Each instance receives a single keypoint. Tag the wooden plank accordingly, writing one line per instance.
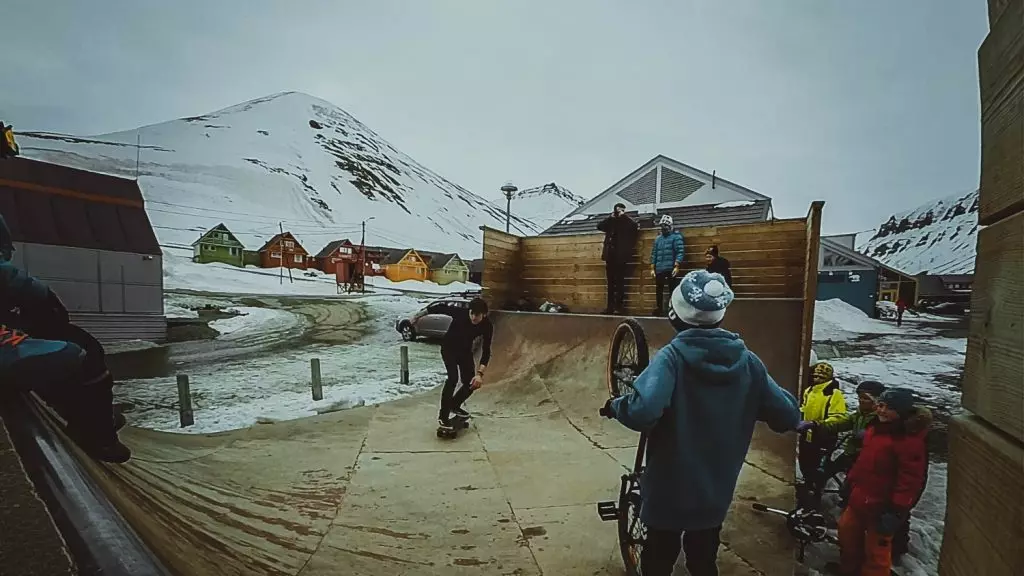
(494, 232)
(502, 243)
(985, 503)
(1001, 56)
(993, 386)
(765, 259)
(810, 289)
(996, 9)
(1002, 157)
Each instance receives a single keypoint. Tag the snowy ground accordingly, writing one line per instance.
(242, 390)
(927, 355)
(181, 273)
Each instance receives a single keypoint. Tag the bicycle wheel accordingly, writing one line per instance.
(632, 532)
(627, 357)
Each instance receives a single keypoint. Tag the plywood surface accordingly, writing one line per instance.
(994, 379)
(1002, 155)
(985, 505)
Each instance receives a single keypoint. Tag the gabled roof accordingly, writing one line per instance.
(863, 259)
(678, 166)
(682, 216)
(331, 247)
(394, 255)
(476, 265)
(282, 236)
(46, 203)
(438, 260)
(218, 228)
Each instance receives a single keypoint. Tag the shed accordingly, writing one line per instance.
(88, 237)
(858, 279)
(218, 244)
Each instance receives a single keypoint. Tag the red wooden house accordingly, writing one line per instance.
(342, 257)
(284, 250)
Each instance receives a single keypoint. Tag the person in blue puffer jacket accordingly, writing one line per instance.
(666, 260)
(698, 400)
(69, 375)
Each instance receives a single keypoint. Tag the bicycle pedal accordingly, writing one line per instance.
(608, 510)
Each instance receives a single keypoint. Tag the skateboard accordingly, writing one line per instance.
(453, 432)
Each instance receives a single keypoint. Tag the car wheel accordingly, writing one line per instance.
(408, 334)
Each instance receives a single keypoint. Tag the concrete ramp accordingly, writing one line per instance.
(372, 491)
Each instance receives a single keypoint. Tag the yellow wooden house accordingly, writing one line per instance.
(405, 264)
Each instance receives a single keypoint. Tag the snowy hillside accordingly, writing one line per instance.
(937, 238)
(287, 157)
(543, 205)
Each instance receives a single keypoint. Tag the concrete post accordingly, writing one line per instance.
(314, 368)
(405, 365)
(185, 416)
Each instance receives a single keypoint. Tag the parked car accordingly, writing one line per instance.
(434, 324)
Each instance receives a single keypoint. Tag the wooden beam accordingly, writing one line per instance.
(993, 385)
(813, 227)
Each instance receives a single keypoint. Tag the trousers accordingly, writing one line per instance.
(663, 280)
(700, 548)
(862, 550)
(616, 276)
(461, 367)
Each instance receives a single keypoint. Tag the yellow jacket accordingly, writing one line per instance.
(822, 403)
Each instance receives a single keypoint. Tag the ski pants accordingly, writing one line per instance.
(616, 275)
(661, 551)
(28, 363)
(862, 550)
(461, 367)
(663, 280)
(810, 455)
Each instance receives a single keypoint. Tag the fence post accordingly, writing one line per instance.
(185, 416)
(314, 369)
(405, 365)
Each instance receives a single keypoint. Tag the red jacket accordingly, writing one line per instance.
(892, 467)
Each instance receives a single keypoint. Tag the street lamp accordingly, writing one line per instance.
(509, 189)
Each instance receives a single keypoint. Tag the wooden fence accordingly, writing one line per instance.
(776, 259)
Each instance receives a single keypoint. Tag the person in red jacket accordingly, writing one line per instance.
(885, 483)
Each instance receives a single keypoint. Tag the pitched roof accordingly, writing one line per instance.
(930, 285)
(682, 216)
(862, 258)
(394, 255)
(331, 247)
(46, 203)
(437, 260)
(220, 226)
(281, 236)
(476, 265)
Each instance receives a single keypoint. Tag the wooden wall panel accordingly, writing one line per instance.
(812, 245)
(985, 505)
(503, 269)
(993, 385)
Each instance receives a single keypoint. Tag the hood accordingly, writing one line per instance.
(6, 241)
(715, 354)
(918, 421)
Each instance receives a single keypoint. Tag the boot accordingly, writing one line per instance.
(93, 424)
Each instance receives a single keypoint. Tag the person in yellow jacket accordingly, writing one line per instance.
(821, 403)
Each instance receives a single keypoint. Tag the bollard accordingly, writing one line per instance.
(405, 365)
(314, 369)
(184, 402)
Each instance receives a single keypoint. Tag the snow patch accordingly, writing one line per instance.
(251, 319)
(837, 320)
(735, 204)
(574, 218)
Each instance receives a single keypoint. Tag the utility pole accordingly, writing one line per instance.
(509, 189)
(362, 258)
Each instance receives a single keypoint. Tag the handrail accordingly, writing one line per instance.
(99, 540)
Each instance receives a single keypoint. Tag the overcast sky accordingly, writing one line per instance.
(869, 105)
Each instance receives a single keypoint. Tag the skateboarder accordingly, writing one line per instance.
(41, 350)
(698, 400)
(457, 354)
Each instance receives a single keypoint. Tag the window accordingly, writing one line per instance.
(298, 258)
(209, 248)
(233, 251)
(275, 255)
(289, 244)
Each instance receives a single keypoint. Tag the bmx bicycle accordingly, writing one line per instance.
(628, 355)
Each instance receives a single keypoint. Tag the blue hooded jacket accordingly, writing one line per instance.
(699, 399)
(16, 287)
(667, 251)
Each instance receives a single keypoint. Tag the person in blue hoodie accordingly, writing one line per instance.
(666, 261)
(698, 400)
(41, 350)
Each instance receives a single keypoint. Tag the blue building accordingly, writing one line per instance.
(857, 279)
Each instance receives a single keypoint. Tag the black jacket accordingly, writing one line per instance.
(619, 238)
(721, 266)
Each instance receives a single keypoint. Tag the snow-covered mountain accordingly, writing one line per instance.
(287, 158)
(937, 238)
(542, 205)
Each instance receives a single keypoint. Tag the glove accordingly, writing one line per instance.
(606, 410)
(889, 522)
(806, 425)
(60, 312)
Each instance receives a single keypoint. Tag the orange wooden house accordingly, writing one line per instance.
(283, 250)
(405, 264)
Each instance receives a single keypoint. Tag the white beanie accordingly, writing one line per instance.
(701, 298)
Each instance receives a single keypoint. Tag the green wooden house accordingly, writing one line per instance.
(447, 268)
(218, 244)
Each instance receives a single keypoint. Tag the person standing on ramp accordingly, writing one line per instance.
(457, 354)
(698, 400)
(619, 237)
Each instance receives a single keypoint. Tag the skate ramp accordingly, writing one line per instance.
(372, 491)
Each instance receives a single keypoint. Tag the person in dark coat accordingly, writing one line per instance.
(41, 351)
(619, 237)
(718, 264)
